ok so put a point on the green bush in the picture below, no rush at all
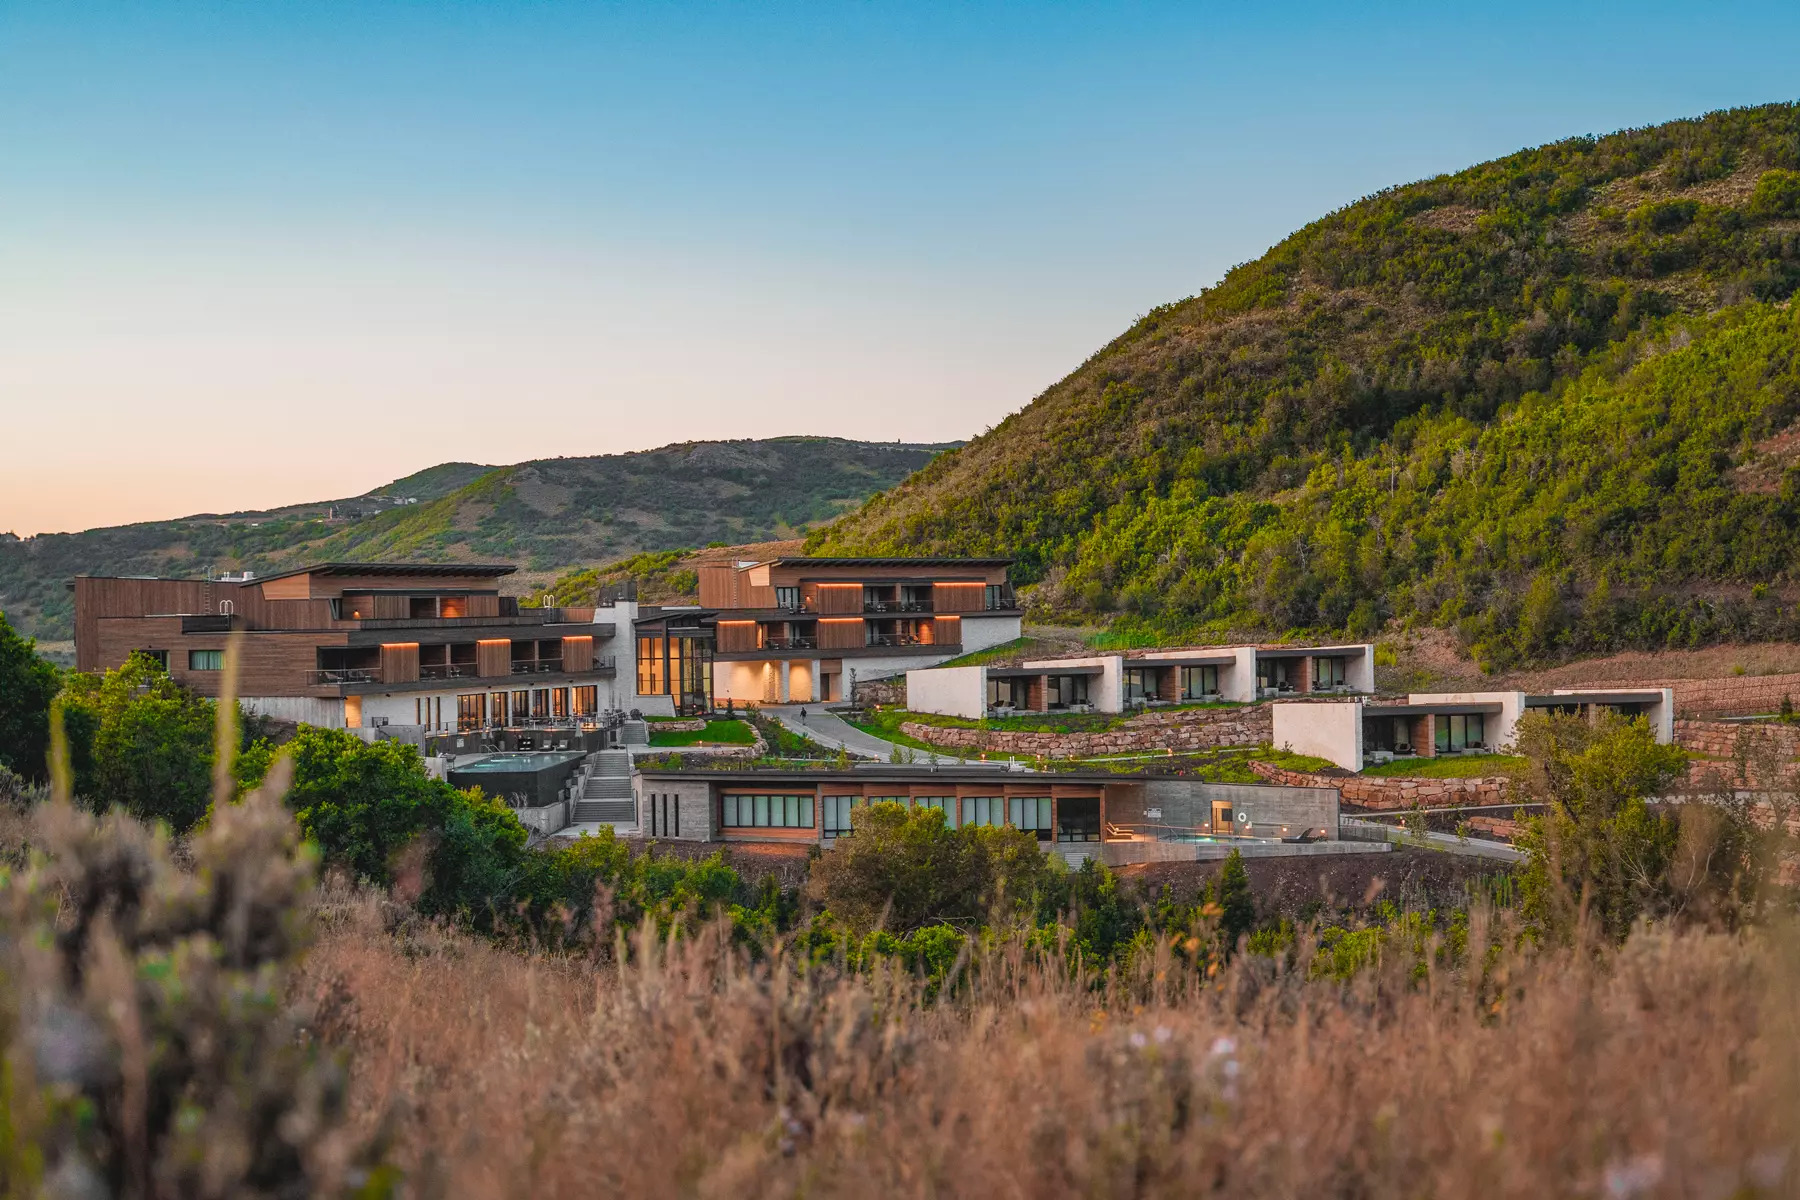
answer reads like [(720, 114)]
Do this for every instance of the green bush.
[(1777, 194), (27, 686)]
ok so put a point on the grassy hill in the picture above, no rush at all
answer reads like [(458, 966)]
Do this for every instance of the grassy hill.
[(1546, 401), (548, 515)]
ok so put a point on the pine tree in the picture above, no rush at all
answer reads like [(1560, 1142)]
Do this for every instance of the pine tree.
[(1238, 917)]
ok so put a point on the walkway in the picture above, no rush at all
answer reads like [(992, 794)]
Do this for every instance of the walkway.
[(830, 730)]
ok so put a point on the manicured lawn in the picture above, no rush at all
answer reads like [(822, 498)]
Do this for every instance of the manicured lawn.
[(1460, 766), (730, 733)]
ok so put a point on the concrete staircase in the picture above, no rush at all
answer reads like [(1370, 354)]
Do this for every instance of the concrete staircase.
[(605, 794), (634, 733)]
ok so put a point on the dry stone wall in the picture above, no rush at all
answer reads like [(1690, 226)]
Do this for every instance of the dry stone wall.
[(1189, 730), (1385, 793)]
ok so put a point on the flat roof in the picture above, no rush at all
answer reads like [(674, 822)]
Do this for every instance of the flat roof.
[(804, 561), (1205, 660), (1302, 651), (389, 568), (1652, 696), (993, 772), (1420, 710), (1028, 672)]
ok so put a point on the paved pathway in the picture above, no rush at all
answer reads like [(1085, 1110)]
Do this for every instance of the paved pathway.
[(830, 730)]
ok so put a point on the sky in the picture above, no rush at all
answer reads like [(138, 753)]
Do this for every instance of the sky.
[(261, 253)]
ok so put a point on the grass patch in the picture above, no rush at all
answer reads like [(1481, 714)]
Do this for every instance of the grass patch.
[(1469, 766), (885, 724), (1018, 646), (727, 733), (1288, 760), (1044, 722)]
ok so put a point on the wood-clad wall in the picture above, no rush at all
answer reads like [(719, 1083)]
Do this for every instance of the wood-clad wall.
[(946, 631), (578, 654), (841, 635), (399, 662), (958, 597), (717, 586), (271, 663), (736, 635), (840, 597), (493, 657)]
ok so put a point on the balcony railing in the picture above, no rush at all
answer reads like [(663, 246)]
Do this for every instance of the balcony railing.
[(343, 675), (448, 671), (898, 606), (896, 639), (537, 666), (791, 643)]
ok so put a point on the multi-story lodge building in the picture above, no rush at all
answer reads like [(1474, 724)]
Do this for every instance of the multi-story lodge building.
[(436, 647), (359, 644)]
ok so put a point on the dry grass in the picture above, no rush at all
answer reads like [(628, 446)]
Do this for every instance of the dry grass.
[(1669, 1069)]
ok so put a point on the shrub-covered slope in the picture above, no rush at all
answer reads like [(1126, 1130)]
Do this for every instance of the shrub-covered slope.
[(1492, 399)]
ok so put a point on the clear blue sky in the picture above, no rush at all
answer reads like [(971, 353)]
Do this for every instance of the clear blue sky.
[(261, 252)]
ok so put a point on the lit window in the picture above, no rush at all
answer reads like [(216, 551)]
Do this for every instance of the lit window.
[(767, 812)]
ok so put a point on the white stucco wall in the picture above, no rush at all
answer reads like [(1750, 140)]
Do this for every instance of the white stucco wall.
[(1239, 683), (948, 691), (1330, 729), (1359, 669)]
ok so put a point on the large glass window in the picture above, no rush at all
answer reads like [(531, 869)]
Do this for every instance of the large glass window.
[(788, 598), (1030, 813), (1078, 819), (1274, 675), (1460, 731), (206, 660), (650, 678), (1328, 673), (471, 711), (1198, 683), (983, 810), (944, 804), (587, 701), (767, 812), (540, 704), (1140, 684), (1064, 691), (521, 707), (834, 812), (559, 703), (497, 709), (1001, 693)]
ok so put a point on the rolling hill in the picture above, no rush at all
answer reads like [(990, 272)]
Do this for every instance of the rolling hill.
[(547, 515), (1548, 401)]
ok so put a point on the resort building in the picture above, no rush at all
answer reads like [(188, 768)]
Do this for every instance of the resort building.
[(1112, 683), (1358, 733), (412, 648), (1082, 814)]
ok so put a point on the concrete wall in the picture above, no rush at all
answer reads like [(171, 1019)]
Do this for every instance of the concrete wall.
[(1359, 671), (1506, 725), (303, 710), (621, 692), (1239, 683), (980, 631), (948, 691), (693, 799), (1328, 729), (1187, 804), (1106, 691)]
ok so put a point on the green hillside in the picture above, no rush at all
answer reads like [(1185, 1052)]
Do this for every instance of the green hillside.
[(547, 515), (1545, 400)]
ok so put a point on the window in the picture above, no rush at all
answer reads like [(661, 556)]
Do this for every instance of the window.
[(497, 709), (159, 657), (836, 813), (421, 608), (944, 804), (1328, 673), (453, 606), (767, 812), (788, 598), (1000, 693), (471, 711), (206, 660), (983, 810), (559, 703), (1199, 682), (650, 681), (1030, 813), (540, 704), (1078, 819), (991, 597), (1274, 674), (587, 701), (1459, 731), (1140, 684), (1064, 691), (521, 707)]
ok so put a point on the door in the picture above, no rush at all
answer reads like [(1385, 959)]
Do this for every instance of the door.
[(1221, 818)]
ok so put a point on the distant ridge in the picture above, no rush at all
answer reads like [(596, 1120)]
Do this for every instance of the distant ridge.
[(548, 515)]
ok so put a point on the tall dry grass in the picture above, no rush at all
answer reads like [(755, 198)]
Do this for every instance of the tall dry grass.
[(1665, 1068)]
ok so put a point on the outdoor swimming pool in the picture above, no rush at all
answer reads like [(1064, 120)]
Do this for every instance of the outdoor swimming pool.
[(515, 763)]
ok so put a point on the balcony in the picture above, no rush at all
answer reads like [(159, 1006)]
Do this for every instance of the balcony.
[(337, 675), (898, 606), (792, 643), (448, 671), (537, 666), (896, 639)]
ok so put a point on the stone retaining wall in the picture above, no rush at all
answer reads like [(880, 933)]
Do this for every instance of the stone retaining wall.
[(693, 725), (887, 693), (1184, 730), (1716, 742), (1384, 793)]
